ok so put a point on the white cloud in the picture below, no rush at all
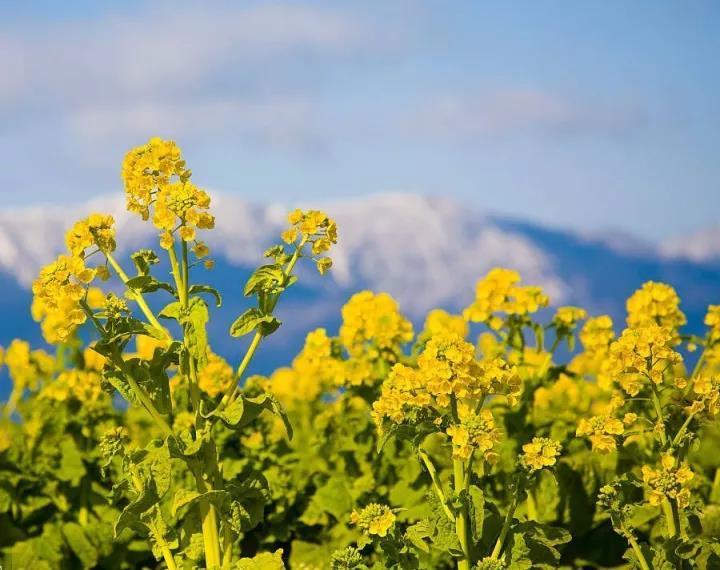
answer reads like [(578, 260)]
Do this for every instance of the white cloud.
[(283, 122), (517, 112)]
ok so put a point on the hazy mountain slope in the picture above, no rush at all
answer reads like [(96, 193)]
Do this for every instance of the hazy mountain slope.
[(425, 251)]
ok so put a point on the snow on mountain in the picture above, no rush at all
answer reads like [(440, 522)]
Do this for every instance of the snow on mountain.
[(426, 251), (702, 246)]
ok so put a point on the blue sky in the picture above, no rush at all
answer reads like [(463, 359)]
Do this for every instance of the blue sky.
[(594, 114)]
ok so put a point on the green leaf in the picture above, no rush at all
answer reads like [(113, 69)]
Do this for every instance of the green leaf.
[(244, 410), (207, 289), (72, 468), (148, 284), (187, 497), (254, 319), (266, 278), (196, 330), (476, 500), (263, 561), (334, 498), (80, 545), (171, 311)]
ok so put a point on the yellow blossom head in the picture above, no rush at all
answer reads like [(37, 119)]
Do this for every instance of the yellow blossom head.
[(375, 519), (655, 303), (540, 453), (499, 292)]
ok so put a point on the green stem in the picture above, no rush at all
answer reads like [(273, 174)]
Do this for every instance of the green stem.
[(436, 484), (532, 513), (497, 550), (138, 297), (230, 392), (658, 411), (638, 553), (682, 430), (168, 557), (671, 517), (461, 520)]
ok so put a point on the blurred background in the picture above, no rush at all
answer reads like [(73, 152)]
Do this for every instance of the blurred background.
[(575, 142)]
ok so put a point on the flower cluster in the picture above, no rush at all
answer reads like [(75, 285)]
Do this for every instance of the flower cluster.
[(567, 399), (712, 321), (154, 174), (668, 481), (707, 395), (596, 336), (313, 371), (81, 385), (58, 291), (313, 227), (26, 366), (96, 230), (602, 431), (374, 519), (476, 431), (499, 292), (655, 303), (373, 321), (442, 322), (541, 452), (568, 317), (642, 354), (215, 377), (64, 283)]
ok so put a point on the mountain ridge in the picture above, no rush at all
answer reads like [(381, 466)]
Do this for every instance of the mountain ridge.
[(425, 251)]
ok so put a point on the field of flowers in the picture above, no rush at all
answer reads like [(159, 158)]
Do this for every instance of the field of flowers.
[(509, 436)]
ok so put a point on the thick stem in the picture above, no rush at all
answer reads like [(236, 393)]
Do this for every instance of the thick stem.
[(671, 517), (211, 539), (168, 557)]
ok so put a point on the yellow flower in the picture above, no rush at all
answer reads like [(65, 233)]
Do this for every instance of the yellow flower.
[(655, 303), (474, 432), (541, 452), (314, 371), (216, 376), (499, 292), (57, 293), (642, 354), (95, 230), (668, 481), (602, 432), (155, 176), (201, 250), (374, 519), (373, 321), (315, 228), (568, 317), (81, 385), (439, 322), (712, 321)]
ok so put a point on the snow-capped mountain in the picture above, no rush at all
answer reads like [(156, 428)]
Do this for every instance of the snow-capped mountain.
[(702, 246), (425, 251)]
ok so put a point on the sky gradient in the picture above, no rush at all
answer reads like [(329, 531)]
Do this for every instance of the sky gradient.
[(595, 115)]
